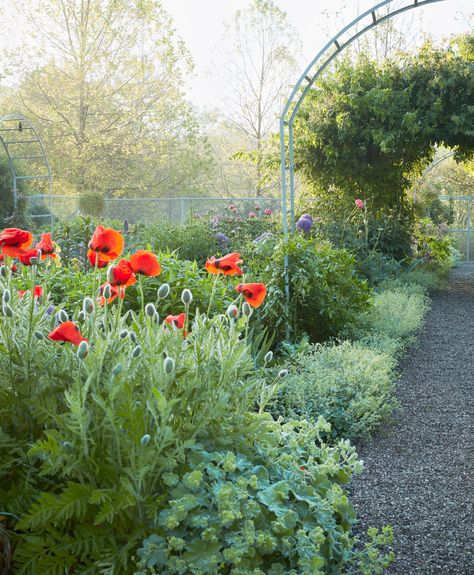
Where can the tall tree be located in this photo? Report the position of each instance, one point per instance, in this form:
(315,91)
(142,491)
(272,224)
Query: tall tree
(257,76)
(107,93)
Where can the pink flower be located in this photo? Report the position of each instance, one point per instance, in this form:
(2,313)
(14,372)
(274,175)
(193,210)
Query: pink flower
(252,215)
(257,208)
(233,208)
(360,204)
(268,212)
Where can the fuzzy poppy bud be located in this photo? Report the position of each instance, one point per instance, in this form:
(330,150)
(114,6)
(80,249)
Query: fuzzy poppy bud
(110,274)
(81,316)
(7,310)
(137,351)
(63,317)
(67,444)
(145,440)
(6,296)
(168,365)
(186,297)
(163,291)
(133,336)
(39,253)
(107,293)
(34,261)
(283,373)
(82,350)
(150,310)
(232,311)
(117,369)
(38,335)
(268,357)
(247,309)
(3,271)
(123,334)
(88,305)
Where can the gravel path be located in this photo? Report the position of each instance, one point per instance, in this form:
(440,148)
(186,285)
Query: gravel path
(419,471)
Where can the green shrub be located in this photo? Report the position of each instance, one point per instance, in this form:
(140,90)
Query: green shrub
(348,384)
(92,204)
(326,294)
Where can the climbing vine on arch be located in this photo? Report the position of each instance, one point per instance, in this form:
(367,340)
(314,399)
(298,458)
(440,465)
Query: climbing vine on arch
(369,129)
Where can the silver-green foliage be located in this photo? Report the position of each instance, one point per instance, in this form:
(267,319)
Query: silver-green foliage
(348,384)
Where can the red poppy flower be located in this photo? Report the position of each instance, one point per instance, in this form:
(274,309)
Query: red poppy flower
(145,262)
(25,257)
(67,331)
(47,247)
(177,320)
(254,294)
(123,274)
(106,245)
(115,292)
(226,264)
(13,241)
(37,292)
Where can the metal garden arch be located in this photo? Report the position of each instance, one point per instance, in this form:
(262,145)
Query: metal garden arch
(26,155)
(321,61)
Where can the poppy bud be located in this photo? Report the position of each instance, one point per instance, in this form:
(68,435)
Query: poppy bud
(168,365)
(117,370)
(247,309)
(268,357)
(3,271)
(38,335)
(283,373)
(6,296)
(163,291)
(7,310)
(82,350)
(110,274)
(137,351)
(81,316)
(34,261)
(39,253)
(145,440)
(63,317)
(88,305)
(67,444)
(133,336)
(232,311)
(150,310)
(186,297)
(107,293)
(123,334)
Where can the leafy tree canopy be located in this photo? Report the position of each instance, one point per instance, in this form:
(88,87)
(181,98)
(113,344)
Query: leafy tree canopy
(370,129)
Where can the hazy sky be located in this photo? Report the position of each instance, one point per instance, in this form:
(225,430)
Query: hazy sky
(200,25)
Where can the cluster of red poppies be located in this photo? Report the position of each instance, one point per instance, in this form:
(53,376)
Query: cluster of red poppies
(106,246)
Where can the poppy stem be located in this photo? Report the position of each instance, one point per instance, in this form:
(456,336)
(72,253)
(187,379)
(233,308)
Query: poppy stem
(142,295)
(211,300)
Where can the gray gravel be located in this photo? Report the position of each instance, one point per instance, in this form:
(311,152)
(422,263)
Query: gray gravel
(419,471)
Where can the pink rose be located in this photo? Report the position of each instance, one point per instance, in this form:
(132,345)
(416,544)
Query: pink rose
(360,204)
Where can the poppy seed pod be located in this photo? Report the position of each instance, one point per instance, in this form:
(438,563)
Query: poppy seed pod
(150,310)
(168,365)
(268,357)
(7,310)
(247,310)
(63,317)
(81,316)
(88,305)
(107,293)
(82,350)
(123,334)
(145,440)
(283,373)
(163,291)
(137,351)
(6,296)
(186,297)
(117,370)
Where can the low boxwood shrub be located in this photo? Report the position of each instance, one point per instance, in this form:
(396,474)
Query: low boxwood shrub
(348,384)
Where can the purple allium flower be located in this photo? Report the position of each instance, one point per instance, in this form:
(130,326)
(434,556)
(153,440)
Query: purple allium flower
(304,224)
(222,239)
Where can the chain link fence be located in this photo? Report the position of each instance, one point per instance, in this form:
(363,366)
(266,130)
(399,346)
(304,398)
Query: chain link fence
(47,208)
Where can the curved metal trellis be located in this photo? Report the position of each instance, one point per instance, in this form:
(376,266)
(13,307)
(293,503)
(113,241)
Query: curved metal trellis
(316,67)
(26,155)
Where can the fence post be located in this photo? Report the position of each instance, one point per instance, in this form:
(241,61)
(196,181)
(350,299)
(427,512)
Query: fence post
(183,215)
